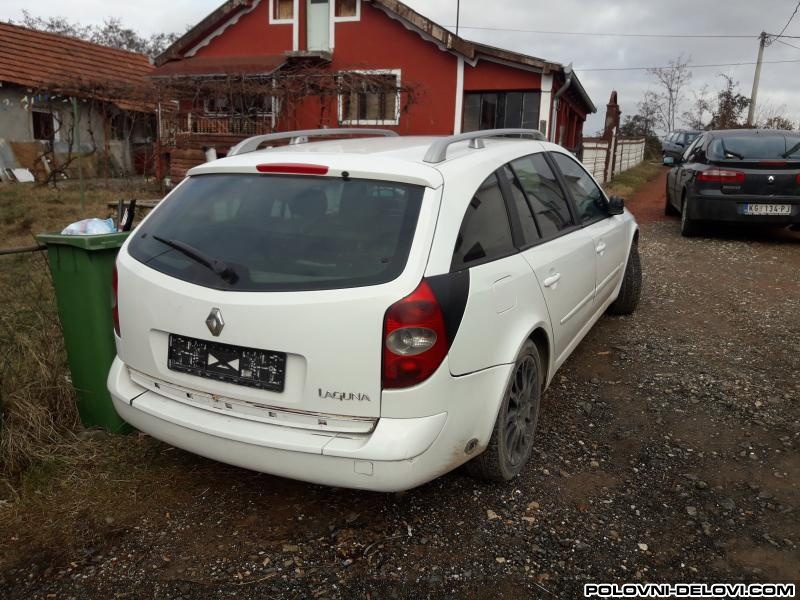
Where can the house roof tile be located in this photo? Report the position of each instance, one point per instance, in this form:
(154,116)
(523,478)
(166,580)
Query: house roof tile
(38,60)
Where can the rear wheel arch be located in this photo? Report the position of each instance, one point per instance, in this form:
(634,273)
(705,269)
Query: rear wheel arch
(542,341)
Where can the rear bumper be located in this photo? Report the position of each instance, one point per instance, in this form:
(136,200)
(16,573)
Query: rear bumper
(398,455)
(731,209)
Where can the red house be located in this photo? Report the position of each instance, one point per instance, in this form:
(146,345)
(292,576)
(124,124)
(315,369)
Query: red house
(256,66)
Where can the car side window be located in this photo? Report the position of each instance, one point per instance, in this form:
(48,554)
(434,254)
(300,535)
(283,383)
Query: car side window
(588,197)
(485,232)
(530,232)
(691,151)
(546,198)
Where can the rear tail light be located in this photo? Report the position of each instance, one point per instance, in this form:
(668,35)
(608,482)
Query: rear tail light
(115,301)
(798,179)
(414,339)
(721,176)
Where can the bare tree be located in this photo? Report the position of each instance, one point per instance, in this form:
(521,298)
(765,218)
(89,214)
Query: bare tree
(672,81)
(111,33)
(700,110)
(649,110)
(774,116)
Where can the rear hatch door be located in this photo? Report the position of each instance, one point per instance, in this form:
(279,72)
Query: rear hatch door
(290,315)
(769,162)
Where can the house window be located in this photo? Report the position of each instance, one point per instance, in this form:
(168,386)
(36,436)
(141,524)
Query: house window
(281,10)
(346,8)
(217,106)
(374,101)
(244,105)
(121,126)
(496,110)
(43,125)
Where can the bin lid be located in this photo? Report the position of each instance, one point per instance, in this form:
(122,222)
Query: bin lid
(86,242)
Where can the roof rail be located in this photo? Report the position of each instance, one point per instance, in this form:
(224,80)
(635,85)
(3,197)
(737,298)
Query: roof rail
(437,152)
(301,137)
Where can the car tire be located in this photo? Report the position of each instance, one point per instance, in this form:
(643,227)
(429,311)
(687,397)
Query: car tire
(689,227)
(631,289)
(514,430)
(669,210)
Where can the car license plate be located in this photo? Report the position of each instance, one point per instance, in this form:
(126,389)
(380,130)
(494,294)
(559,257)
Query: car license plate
(263,369)
(768,209)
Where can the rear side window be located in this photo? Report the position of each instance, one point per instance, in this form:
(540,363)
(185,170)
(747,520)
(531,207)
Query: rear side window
(587,196)
(541,187)
(530,233)
(693,150)
(283,233)
(754,147)
(485,232)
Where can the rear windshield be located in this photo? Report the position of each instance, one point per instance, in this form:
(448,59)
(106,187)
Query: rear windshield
(754,147)
(281,233)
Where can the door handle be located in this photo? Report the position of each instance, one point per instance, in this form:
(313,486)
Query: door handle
(601,248)
(552,280)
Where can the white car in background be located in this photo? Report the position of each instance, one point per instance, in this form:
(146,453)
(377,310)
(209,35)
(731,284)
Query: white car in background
(367,313)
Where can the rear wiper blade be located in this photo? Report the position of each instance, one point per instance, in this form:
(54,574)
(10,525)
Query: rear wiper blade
(791,150)
(219,267)
(726,152)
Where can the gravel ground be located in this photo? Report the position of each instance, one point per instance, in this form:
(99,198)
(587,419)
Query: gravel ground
(667,452)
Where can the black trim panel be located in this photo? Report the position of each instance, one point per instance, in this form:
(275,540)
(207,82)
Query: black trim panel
(452,292)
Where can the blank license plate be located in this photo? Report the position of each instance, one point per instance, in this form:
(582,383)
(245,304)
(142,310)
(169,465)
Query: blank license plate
(767,209)
(263,369)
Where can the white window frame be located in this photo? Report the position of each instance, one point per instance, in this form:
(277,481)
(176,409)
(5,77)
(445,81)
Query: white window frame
(56,116)
(291,21)
(336,19)
(396,121)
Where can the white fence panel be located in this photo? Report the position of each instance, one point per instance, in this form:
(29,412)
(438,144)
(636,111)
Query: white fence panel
(629,154)
(595,154)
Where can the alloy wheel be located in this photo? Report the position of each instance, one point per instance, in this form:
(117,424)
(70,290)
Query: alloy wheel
(521,411)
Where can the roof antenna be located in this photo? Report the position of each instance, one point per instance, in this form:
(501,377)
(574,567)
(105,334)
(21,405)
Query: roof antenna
(458,14)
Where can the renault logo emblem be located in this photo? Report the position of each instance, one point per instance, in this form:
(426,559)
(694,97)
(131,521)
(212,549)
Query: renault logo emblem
(215,322)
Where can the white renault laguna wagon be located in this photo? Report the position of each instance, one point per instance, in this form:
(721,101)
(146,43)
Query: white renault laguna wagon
(367,313)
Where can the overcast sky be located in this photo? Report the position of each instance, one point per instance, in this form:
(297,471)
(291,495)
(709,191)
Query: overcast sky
(779,82)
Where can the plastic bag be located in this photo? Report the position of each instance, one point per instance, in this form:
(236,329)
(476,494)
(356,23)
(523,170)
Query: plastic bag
(91,227)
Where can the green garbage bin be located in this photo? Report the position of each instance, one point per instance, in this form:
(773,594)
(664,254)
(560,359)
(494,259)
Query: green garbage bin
(81,266)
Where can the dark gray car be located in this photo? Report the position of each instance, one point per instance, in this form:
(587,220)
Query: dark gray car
(737,175)
(676,142)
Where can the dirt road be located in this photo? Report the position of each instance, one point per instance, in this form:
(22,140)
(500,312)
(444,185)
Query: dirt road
(667,451)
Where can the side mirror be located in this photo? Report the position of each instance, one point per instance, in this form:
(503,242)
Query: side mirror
(616,205)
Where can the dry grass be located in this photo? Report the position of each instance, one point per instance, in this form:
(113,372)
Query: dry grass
(26,210)
(627,183)
(38,417)
(37,405)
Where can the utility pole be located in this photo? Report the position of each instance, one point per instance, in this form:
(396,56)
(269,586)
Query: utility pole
(458,14)
(751,113)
